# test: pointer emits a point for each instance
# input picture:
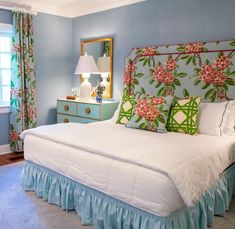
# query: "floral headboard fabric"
(203, 69)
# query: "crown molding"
(105, 5)
(72, 11)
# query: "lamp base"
(85, 90)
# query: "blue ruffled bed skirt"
(103, 211)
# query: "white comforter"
(193, 163)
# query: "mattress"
(129, 172)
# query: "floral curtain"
(23, 106)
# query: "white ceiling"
(69, 8)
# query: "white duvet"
(192, 163)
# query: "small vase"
(99, 98)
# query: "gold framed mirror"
(102, 51)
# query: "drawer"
(87, 110)
(65, 107)
(66, 118)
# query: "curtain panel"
(23, 85)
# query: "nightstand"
(84, 111)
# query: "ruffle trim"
(103, 211)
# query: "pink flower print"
(130, 68)
(158, 101)
(15, 48)
(128, 79)
(28, 68)
(222, 62)
(14, 136)
(221, 94)
(14, 92)
(171, 65)
(163, 76)
(219, 78)
(20, 92)
(212, 76)
(146, 109)
(194, 47)
(33, 93)
(31, 112)
(149, 51)
(19, 69)
(31, 50)
(128, 75)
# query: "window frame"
(5, 29)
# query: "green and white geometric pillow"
(126, 109)
(183, 116)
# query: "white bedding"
(155, 172)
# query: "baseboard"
(4, 149)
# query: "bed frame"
(204, 69)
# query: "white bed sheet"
(155, 172)
(150, 190)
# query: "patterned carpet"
(23, 210)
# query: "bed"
(117, 177)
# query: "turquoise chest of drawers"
(84, 111)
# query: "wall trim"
(4, 149)
(4, 110)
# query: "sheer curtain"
(23, 104)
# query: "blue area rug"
(23, 210)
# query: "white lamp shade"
(86, 64)
(103, 64)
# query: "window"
(5, 64)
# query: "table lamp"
(86, 65)
(103, 64)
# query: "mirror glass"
(102, 51)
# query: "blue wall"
(155, 22)
(53, 58)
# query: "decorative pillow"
(151, 113)
(183, 115)
(126, 109)
(213, 117)
(230, 122)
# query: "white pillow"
(212, 118)
(230, 123)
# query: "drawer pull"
(66, 107)
(66, 120)
(87, 110)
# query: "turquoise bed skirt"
(103, 211)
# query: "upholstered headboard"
(204, 69)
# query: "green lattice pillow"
(183, 115)
(151, 113)
(126, 109)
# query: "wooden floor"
(11, 158)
